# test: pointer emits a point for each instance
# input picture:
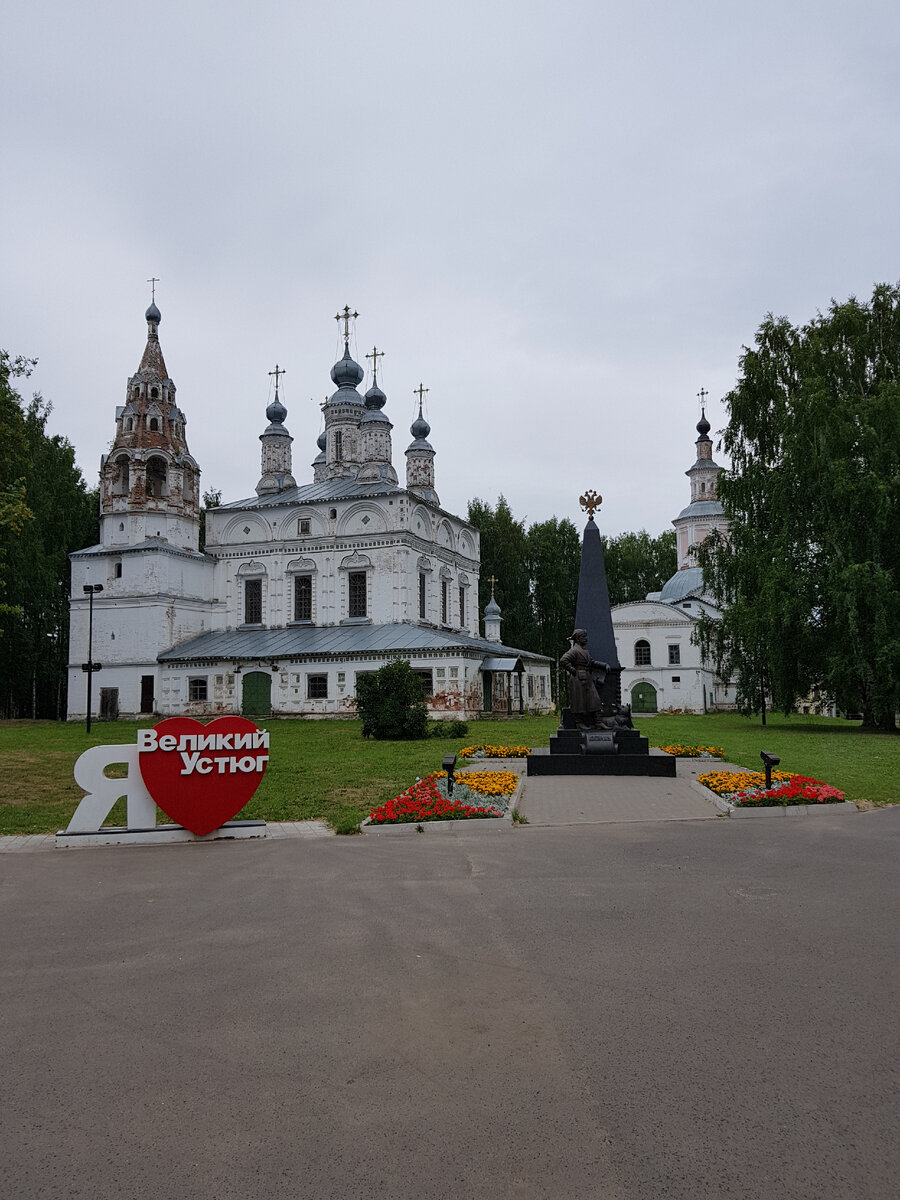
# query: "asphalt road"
(681, 1009)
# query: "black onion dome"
(375, 397)
(703, 426)
(420, 428)
(346, 372)
(153, 314)
(276, 412)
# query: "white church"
(299, 589)
(662, 667)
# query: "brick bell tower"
(149, 483)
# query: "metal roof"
(322, 641)
(682, 584)
(309, 493)
(702, 508)
(501, 664)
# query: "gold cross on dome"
(421, 392)
(590, 502)
(277, 373)
(346, 316)
(375, 355)
(493, 581)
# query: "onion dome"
(420, 428)
(492, 608)
(346, 372)
(276, 412)
(703, 426)
(322, 441)
(375, 397)
(153, 314)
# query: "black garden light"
(769, 761)
(449, 765)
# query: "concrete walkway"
(28, 842)
(604, 799)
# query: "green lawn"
(325, 769)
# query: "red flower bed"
(423, 802)
(800, 789)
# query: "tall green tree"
(637, 563)
(809, 576)
(63, 517)
(554, 561)
(14, 461)
(504, 555)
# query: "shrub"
(391, 704)
(443, 729)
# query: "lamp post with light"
(90, 666)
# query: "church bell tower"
(149, 483)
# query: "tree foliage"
(809, 576)
(46, 511)
(637, 563)
(391, 703)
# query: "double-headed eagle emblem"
(590, 502)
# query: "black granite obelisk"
(593, 614)
(613, 746)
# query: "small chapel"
(662, 667)
(297, 590)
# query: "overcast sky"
(563, 219)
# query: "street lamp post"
(90, 666)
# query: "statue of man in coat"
(585, 673)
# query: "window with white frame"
(252, 601)
(356, 594)
(303, 597)
(317, 687)
(674, 654)
(642, 653)
(197, 688)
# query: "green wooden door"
(256, 696)
(643, 698)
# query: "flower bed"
(681, 751)
(747, 789)
(425, 801)
(495, 752)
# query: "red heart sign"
(201, 775)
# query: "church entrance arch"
(256, 694)
(643, 698)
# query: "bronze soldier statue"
(584, 698)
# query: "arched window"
(642, 653)
(154, 424)
(154, 393)
(157, 477)
(122, 482)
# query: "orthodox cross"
(277, 372)
(701, 396)
(590, 502)
(375, 355)
(153, 282)
(346, 316)
(420, 392)
(493, 581)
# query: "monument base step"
(656, 763)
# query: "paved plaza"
(632, 1010)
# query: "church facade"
(298, 589)
(662, 666)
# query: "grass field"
(325, 769)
